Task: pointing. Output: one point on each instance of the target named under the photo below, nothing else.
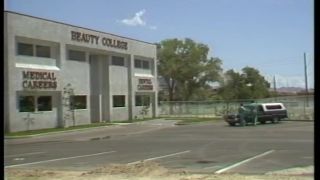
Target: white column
(131, 93)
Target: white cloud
(136, 20)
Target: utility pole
(305, 76)
(275, 87)
(274, 84)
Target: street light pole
(306, 77)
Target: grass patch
(42, 131)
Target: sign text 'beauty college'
(93, 39)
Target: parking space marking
(242, 162)
(160, 157)
(59, 159)
(24, 154)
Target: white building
(60, 75)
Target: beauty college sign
(93, 39)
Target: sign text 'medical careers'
(38, 80)
(93, 39)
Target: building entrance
(99, 88)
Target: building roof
(6, 11)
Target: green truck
(254, 113)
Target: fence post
(304, 108)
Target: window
(118, 61)
(260, 109)
(78, 102)
(77, 55)
(28, 50)
(26, 104)
(119, 101)
(273, 107)
(141, 64)
(43, 51)
(145, 64)
(137, 63)
(44, 103)
(25, 49)
(142, 100)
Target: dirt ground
(149, 171)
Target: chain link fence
(298, 107)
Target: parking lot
(204, 147)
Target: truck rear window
(273, 107)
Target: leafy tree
(259, 86)
(246, 85)
(186, 68)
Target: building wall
(37, 120)
(95, 77)
(119, 86)
(6, 79)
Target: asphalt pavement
(204, 147)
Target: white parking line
(24, 154)
(242, 162)
(160, 157)
(52, 160)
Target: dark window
(43, 51)
(145, 65)
(119, 101)
(44, 103)
(141, 64)
(78, 102)
(142, 100)
(25, 49)
(118, 61)
(77, 55)
(137, 63)
(273, 107)
(260, 109)
(26, 104)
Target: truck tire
(242, 123)
(262, 121)
(232, 124)
(275, 120)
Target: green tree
(186, 68)
(246, 85)
(259, 86)
(234, 86)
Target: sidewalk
(85, 134)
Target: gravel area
(150, 170)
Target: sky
(269, 35)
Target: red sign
(145, 84)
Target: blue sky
(270, 35)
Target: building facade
(60, 75)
